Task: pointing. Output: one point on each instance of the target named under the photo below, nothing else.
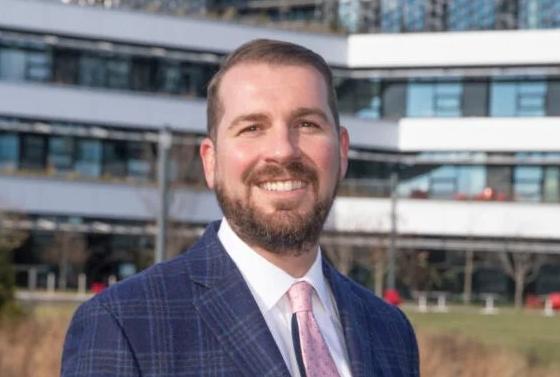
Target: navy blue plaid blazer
(195, 316)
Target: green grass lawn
(529, 332)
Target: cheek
(233, 162)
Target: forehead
(254, 86)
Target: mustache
(294, 169)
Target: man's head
(274, 53)
(275, 153)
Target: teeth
(282, 186)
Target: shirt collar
(267, 281)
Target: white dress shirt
(269, 285)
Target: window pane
(12, 64)
(33, 152)
(61, 150)
(93, 71)
(531, 98)
(502, 99)
(527, 183)
(66, 66)
(117, 73)
(471, 15)
(143, 72)
(88, 157)
(140, 160)
(420, 101)
(38, 65)
(168, 78)
(9, 151)
(114, 158)
(551, 184)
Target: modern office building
(455, 136)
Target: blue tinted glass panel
(503, 96)
(61, 153)
(527, 183)
(539, 14)
(447, 101)
(12, 64)
(9, 151)
(88, 157)
(531, 98)
(471, 180)
(420, 100)
(551, 184)
(471, 15)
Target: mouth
(282, 186)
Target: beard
(285, 231)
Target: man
(253, 297)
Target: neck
(296, 264)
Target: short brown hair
(272, 52)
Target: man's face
(277, 156)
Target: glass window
(114, 158)
(194, 78)
(88, 157)
(12, 63)
(527, 183)
(9, 151)
(361, 97)
(470, 15)
(443, 182)
(442, 99)
(471, 180)
(66, 66)
(143, 72)
(168, 78)
(38, 65)
(61, 153)
(117, 73)
(92, 71)
(33, 152)
(539, 14)
(531, 99)
(551, 184)
(140, 160)
(518, 98)
(402, 15)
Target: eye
(308, 125)
(249, 129)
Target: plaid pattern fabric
(195, 316)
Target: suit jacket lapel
(227, 306)
(357, 331)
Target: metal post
(82, 282)
(393, 235)
(51, 282)
(165, 141)
(32, 279)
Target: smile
(282, 185)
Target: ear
(208, 157)
(344, 145)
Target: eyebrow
(306, 111)
(246, 118)
(264, 117)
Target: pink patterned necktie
(315, 353)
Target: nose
(282, 145)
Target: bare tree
(10, 239)
(416, 271)
(69, 252)
(523, 268)
(378, 258)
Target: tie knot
(300, 296)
